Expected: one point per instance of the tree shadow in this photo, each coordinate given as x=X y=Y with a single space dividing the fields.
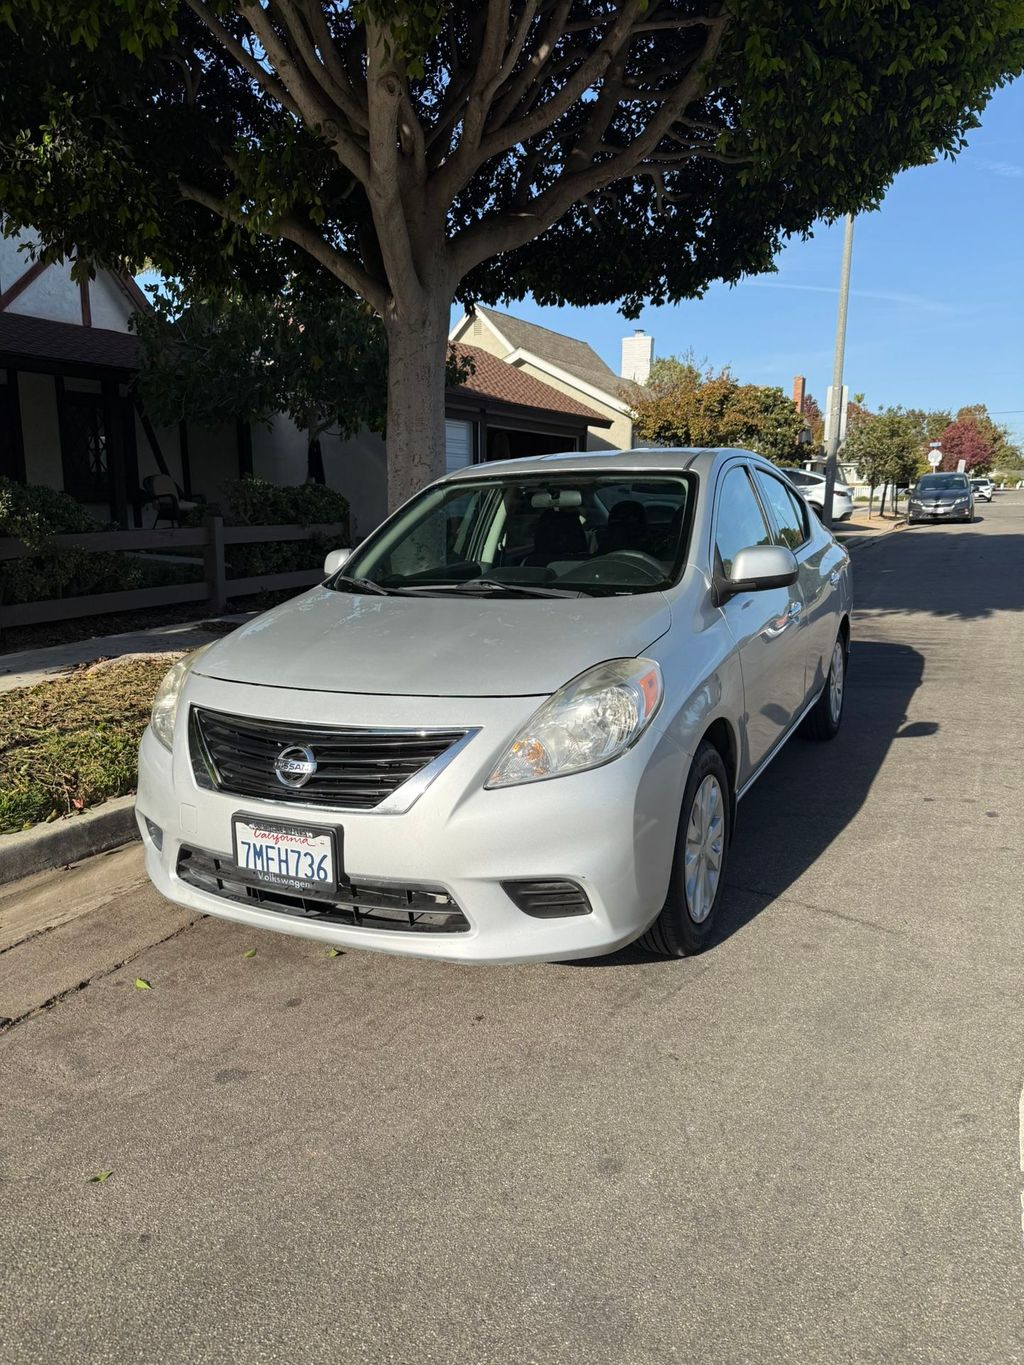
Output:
x=956 y=572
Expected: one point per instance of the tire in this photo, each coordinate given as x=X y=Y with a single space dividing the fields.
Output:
x=687 y=920
x=825 y=718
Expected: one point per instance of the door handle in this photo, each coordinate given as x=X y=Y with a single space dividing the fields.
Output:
x=782 y=623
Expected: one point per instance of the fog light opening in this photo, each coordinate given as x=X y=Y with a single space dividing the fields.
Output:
x=548 y=899
x=155 y=833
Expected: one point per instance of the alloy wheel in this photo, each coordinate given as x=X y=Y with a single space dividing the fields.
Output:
x=835 y=683
x=705 y=834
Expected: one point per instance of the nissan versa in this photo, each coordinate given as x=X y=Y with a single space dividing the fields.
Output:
x=516 y=722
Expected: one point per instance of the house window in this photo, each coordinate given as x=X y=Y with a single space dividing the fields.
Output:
x=85 y=447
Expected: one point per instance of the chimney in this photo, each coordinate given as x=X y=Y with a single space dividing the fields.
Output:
x=637 y=354
x=799 y=390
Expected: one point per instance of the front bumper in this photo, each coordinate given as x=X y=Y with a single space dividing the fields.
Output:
x=612 y=830
x=942 y=512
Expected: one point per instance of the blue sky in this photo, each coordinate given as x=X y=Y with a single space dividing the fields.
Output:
x=937 y=296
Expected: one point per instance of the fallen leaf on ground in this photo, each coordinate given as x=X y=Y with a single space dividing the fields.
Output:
x=249 y=952
x=100 y=1178
x=335 y=952
x=142 y=985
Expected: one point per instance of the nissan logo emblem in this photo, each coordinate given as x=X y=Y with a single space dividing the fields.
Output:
x=294 y=766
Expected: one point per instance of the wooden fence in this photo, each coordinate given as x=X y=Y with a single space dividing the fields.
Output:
x=213 y=538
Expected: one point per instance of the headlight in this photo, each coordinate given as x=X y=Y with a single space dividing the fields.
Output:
x=165 y=703
x=960 y=502
x=586 y=723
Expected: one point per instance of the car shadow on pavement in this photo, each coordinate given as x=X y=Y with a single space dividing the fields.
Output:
x=811 y=792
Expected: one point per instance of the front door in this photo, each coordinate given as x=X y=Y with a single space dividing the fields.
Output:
x=765 y=625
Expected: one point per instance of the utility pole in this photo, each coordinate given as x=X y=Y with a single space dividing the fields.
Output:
x=835 y=411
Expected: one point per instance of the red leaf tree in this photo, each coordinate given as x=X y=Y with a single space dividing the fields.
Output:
x=962 y=440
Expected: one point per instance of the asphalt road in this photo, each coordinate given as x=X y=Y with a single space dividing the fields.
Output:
x=804 y=1145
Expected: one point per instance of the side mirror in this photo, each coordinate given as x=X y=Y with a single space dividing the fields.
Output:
x=335 y=560
x=756 y=569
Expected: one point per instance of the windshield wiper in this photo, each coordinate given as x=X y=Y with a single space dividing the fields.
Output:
x=360 y=585
x=486 y=585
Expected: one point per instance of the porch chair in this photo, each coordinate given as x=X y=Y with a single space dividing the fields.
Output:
x=168 y=499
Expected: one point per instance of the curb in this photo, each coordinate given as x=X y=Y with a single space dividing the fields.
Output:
x=67 y=841
x=858 y=542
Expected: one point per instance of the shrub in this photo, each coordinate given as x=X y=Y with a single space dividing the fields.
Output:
x=33 y=514
x=255 y=502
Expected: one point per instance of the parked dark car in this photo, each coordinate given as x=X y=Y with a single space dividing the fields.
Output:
x=941 y=497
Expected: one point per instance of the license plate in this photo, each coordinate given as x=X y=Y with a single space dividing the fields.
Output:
x=302 y=857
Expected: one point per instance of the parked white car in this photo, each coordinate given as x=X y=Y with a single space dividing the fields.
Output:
x=516 y=722
x=812 y=488
x=983 y=488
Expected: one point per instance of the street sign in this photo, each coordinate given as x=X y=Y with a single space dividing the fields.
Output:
x=935 y=458
x=961 y=466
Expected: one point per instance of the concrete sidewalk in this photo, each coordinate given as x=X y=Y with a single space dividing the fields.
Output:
x=30 y=666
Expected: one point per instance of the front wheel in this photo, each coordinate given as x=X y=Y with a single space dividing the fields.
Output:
x=826 y=716
x=697 y=880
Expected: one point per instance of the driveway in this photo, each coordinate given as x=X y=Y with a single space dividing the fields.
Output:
x=804 y=1145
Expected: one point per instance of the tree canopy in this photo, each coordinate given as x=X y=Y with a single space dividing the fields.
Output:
x=982 y=443
x=885 y=447
x=685 y=405
x=581 y=150
x=321 y=359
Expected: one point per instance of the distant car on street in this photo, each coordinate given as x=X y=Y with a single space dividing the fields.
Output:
x=983 y=488
x=941 y=497
x=812 y=486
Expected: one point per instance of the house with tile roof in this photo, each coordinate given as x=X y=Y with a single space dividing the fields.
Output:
x=564 y=363
x=69 y=418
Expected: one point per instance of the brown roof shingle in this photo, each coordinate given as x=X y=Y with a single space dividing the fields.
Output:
x=492 y=378
x=67 y=342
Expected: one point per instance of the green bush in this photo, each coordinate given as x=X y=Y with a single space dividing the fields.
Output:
x=33 y=514
x=255 y=502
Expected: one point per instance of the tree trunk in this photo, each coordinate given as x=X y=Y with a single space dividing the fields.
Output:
x=417 y=358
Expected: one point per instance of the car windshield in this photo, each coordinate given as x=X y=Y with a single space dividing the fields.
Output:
x=940 y=483
x=531 y=534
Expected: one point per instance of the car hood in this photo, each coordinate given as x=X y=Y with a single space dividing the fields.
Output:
x=327 y=641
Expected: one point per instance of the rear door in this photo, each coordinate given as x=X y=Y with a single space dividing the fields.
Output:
x=765 y=625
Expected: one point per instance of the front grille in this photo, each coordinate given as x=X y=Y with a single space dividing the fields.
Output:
x=362 y=905
x=355 y=769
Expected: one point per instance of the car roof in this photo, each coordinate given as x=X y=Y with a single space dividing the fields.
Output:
x=628 y=463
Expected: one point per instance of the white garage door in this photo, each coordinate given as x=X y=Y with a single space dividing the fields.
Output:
x=458 y=437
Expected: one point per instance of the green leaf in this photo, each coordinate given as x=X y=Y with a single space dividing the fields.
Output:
x=335 y=952
x=249 y=952
x=142 y=985
x=100 y=1178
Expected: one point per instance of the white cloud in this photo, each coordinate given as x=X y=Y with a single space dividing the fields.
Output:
x=916 y=301
x=1007 y=169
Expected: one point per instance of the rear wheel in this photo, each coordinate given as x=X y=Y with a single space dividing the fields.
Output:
x=826 y=716
x=697 y=881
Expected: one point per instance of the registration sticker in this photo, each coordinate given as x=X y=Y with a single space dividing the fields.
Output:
x=301 y=857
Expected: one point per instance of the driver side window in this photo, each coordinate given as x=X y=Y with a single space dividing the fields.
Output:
x=740 y=521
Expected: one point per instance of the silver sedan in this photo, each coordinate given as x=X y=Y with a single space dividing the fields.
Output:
x=516 y=723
